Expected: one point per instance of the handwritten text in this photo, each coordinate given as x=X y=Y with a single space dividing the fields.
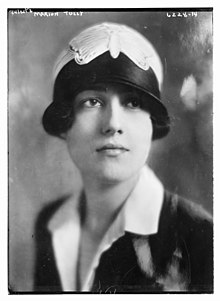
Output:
x=182 y=14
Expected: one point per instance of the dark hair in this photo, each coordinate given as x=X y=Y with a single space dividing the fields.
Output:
x=73 y=78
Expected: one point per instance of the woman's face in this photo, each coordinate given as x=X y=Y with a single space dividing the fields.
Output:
x=111 y=135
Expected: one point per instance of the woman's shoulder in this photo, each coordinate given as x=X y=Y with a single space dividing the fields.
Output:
x=185 y=233
x=186 y=208
x=189 y=219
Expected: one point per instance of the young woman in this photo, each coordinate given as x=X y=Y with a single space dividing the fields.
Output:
x=124 y=233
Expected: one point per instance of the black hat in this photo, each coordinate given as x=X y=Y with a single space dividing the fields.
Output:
x=103 y=53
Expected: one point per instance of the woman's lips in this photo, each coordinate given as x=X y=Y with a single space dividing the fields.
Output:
x=112 y=149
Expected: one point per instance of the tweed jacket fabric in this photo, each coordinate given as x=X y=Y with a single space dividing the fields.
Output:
x=178 y=258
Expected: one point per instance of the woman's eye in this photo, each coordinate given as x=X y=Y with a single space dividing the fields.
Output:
x=92 y=103
x=133 y=103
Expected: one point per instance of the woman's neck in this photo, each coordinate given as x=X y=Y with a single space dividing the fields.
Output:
x=104 y=201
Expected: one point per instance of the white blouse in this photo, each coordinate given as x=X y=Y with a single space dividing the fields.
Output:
x=139 y=215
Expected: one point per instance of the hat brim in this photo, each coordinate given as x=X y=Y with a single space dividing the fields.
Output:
x=74 y=78
x=57 y=117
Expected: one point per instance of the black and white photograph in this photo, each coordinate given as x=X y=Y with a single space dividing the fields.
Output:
x=110 y=150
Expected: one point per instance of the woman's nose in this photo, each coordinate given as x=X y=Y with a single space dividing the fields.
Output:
x=112 y=117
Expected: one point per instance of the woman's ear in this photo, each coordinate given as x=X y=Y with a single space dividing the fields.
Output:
x=63 y=136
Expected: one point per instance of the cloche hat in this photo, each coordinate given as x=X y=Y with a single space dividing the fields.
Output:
x=106 y=52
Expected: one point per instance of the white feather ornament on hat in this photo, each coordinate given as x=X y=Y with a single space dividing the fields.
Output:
x=115 y=38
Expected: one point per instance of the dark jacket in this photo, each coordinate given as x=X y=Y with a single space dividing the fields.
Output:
x=177 y=258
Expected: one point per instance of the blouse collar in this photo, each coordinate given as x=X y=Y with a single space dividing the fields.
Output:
x=139 y=215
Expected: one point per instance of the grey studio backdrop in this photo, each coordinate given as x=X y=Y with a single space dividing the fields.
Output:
x=39 y=166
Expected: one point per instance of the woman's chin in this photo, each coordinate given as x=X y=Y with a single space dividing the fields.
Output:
x=112 y=176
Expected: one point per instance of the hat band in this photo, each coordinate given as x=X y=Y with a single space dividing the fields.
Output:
x=74 y=77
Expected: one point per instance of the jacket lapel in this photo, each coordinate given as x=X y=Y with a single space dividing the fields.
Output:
x=142 y=263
